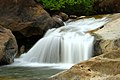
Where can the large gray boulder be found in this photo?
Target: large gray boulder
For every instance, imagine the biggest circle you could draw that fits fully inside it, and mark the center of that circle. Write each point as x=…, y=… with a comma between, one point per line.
x=8, y=46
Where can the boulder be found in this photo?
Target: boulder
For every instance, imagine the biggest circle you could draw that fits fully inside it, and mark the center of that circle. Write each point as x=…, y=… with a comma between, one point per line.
x=27, y=20
x=58, y=20
x=63, y=16
x=26, y=17
x=106, y=6
x=109, y=36
x=103, y=67
x=8, y=46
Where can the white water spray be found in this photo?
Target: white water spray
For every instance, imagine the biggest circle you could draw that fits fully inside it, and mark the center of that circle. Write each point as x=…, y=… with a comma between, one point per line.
x=67, y=44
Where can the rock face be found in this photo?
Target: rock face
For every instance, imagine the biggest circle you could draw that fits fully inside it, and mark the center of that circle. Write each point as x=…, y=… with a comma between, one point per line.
x=27, y=20
x=25, y=16
x=8, y=46
x=106, y=6
x=110, y=36
x=104, y=67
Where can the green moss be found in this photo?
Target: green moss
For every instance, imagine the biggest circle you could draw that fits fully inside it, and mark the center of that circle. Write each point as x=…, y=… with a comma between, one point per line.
x=71, y=6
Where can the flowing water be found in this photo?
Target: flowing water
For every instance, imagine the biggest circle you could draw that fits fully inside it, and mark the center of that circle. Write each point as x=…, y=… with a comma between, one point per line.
x=67, y=44
x=60, y=48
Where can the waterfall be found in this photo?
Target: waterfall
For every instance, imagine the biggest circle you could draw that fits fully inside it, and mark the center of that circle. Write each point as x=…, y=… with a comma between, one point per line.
x=62, y=47
x=67, y=44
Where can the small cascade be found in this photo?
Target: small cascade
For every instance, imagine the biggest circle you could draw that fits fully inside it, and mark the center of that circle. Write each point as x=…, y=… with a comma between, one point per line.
x=67, y=44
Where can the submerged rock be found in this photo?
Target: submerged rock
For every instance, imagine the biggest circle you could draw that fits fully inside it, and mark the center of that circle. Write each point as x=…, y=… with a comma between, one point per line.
x=8, y=46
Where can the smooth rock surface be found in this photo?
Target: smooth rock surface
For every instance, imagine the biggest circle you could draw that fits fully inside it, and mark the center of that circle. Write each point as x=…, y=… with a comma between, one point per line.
x=109, y=36
x=104, y=67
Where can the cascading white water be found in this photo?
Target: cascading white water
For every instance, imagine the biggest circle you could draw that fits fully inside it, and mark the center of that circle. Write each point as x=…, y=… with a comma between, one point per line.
x=67, y=44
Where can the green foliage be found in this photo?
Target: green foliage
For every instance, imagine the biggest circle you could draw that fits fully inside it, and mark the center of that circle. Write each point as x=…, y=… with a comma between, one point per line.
x=85, y=6
x=53, y=4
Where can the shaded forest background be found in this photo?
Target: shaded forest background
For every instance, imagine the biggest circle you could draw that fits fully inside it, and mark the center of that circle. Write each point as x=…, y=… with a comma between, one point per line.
x=81, y=7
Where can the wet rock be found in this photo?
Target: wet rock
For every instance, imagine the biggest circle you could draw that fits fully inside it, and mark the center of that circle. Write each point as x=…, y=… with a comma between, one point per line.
x=58, y=20
x=8, y=46
x=25, y=16
x=73, y=17
x=63, y=16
